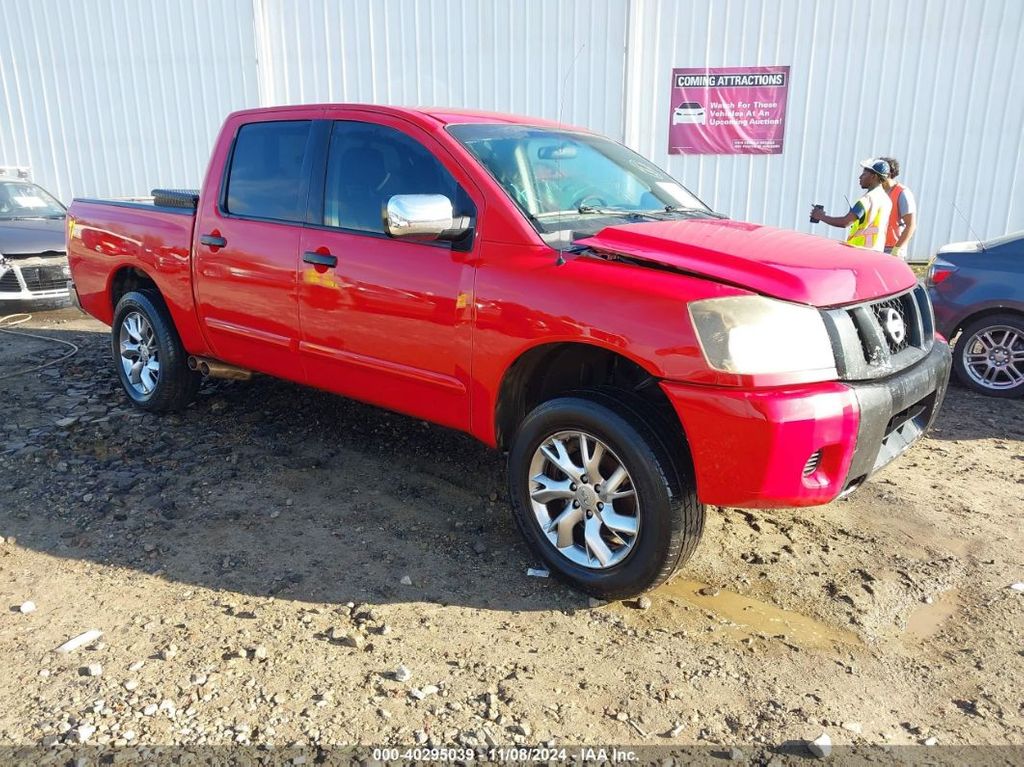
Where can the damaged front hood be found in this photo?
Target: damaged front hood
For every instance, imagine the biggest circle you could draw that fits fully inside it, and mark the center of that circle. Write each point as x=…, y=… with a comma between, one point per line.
x=31, y=236
x=774, y=262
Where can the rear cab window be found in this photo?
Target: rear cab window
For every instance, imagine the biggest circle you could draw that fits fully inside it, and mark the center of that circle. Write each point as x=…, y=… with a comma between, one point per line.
x=267, y=178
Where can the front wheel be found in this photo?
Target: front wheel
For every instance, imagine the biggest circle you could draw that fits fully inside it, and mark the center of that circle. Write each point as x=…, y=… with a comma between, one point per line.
x=989, y=355
x=150, y=360
x=598, y=498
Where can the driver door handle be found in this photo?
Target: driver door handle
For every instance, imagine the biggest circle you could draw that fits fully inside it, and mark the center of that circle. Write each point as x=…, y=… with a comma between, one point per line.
x=213, y=240
x=319, y=259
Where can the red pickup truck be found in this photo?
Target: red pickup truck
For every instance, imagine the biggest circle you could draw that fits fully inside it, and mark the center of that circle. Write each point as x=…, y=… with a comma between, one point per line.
x=544, y=289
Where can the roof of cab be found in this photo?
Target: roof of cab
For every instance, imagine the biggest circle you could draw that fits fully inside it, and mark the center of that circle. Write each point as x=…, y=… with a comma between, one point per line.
x=442, y=115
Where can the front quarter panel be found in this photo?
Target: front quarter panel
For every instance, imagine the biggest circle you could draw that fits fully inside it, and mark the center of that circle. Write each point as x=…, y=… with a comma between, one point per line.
x=524, y=299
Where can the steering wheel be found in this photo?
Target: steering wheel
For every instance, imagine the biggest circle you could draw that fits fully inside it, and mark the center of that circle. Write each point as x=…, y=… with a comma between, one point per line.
x=590, y=196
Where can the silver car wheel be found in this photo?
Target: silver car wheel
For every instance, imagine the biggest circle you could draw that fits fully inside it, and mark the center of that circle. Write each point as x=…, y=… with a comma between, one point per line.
x=994, y=357
x=139, y=353
x=584, y=500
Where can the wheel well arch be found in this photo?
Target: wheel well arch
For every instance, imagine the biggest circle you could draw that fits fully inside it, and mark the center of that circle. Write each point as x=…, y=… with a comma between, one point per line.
x=127, y=279
x=981, y=313
x=552, y=370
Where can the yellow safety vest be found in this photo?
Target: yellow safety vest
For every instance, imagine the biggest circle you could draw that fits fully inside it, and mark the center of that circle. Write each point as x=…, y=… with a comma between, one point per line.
x=869, y=230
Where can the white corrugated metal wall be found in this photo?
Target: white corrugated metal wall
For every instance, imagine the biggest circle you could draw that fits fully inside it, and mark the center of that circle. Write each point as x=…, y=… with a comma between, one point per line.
x=535, y=57
x=112, y=97
x=934, y=83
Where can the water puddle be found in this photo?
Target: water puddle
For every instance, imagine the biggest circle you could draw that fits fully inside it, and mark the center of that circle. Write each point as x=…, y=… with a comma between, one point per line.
x=926, y=620
x=753, y=617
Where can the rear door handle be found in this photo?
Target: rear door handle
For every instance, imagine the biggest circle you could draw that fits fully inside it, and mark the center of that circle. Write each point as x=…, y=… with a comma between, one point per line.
x=213, y=240
x=319, y=259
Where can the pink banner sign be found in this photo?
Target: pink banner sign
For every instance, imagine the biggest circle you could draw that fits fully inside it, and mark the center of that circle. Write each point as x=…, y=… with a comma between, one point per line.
x=731, y=110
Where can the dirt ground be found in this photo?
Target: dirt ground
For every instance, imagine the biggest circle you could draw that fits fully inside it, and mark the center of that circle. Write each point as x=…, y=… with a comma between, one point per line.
x=278, y=566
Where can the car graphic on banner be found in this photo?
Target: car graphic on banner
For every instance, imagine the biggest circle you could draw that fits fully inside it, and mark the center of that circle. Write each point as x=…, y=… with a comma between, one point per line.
x=690, y=112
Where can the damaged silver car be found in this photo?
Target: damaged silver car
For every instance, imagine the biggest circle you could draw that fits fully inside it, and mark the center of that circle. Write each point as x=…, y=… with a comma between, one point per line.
x=33, y=259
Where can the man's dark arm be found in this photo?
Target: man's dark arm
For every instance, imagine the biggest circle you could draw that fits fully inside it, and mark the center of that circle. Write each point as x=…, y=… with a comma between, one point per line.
x=840, y=222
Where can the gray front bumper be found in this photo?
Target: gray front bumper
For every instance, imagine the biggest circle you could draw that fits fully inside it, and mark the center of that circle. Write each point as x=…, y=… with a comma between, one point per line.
x=896, y=411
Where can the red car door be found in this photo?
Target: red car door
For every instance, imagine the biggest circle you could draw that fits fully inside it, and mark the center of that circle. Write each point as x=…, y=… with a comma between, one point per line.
x=385, y=320
x=247, y=246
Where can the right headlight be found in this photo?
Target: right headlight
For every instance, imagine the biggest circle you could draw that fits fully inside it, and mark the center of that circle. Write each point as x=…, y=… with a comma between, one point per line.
x=754, y=335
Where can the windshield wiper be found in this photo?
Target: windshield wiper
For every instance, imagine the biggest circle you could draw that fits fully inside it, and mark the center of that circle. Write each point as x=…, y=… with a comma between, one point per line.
x=693, y=209
x=660, y=214
x=590, y=209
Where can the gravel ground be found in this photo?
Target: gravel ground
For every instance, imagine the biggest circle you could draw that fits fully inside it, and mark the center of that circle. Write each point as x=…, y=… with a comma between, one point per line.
x=278, y=566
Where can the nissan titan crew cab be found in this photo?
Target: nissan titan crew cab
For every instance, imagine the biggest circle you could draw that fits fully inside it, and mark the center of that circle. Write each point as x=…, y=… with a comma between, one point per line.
x=544, y=289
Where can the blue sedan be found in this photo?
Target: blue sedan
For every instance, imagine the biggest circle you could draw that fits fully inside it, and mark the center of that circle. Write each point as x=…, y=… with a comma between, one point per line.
x=977, y=289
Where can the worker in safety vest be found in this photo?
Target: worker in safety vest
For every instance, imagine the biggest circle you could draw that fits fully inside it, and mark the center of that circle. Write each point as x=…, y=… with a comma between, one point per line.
x=903, y=219
x=869, y=216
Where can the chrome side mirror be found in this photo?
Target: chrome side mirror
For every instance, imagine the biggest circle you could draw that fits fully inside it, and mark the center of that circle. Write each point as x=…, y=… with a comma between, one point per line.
x=427, y=216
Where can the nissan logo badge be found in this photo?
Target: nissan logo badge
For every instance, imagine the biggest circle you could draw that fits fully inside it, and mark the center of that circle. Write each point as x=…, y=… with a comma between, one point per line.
x=894, y=326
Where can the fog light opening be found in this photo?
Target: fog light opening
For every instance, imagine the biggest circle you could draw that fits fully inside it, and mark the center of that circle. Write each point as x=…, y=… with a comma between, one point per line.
x=812, y=463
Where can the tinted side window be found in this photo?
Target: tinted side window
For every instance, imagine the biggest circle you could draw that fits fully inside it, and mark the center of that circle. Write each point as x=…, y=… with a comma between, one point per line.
x=266, y=178
x=368, y=164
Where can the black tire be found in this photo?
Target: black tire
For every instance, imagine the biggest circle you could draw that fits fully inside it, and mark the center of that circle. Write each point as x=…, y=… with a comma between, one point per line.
x=1006, y=328
x=175, y=385
x=671, y=519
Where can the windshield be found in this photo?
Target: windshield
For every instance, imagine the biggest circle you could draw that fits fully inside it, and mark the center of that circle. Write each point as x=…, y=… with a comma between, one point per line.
x=569, y=184
x=22, y=200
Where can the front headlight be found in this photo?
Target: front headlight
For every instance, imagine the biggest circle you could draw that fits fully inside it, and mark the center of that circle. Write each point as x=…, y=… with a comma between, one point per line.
x=753, y=335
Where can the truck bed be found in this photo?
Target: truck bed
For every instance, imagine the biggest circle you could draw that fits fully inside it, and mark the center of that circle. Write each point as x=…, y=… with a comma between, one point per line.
x=109, y=238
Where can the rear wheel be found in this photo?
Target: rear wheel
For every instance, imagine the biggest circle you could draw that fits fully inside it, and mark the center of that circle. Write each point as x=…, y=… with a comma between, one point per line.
x=150, y=360
x=989, y=355
x=598, y=498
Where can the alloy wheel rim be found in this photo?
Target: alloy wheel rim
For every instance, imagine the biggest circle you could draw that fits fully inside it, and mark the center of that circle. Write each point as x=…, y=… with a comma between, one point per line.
x=994, y=357
x=140, y=357
x=584, y=500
